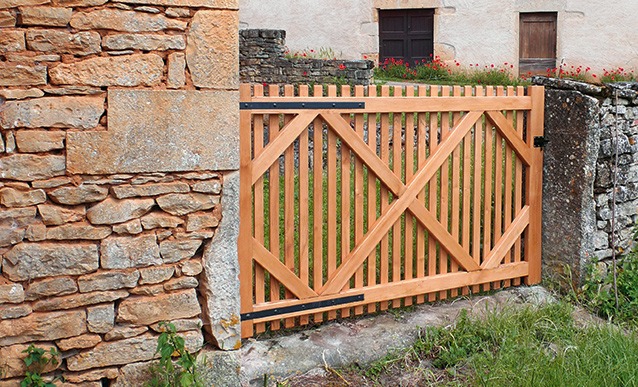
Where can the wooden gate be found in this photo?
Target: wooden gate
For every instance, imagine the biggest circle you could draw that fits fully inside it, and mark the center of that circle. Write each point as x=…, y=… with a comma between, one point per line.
x=368, y=199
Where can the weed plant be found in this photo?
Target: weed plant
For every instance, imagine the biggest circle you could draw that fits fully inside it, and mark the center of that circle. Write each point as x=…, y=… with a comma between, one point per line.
x=36, y=361
x=182, y=372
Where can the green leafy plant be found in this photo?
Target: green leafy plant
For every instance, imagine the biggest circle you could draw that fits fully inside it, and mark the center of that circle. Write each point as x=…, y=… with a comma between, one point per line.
x=182, y=372
x=36, y=361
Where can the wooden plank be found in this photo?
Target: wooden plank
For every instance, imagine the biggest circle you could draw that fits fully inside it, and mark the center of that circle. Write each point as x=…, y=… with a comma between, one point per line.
x=372, y=197
x=444, y=193
x=397, y=155
x=433, y=188
x=456, y=191
x=505, y=243
x=519, y=184
x=477, y=215
x=304, y=220
x=259, y=214
x=289, y=201
x=345, y=216
x=408, y=239
x=358, y=196
x=506, y=130
x=385, y=158
x=487, y=188
x=317, y=228
x=507, y=212
x=498, y=184
x=332, y=201
x=467, y=189
x=421, y=158
x=273, y=132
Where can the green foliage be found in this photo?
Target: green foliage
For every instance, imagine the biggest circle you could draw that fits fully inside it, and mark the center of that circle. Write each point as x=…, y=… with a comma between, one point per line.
x=181, y=373
x=36, y=361
x=325, y=53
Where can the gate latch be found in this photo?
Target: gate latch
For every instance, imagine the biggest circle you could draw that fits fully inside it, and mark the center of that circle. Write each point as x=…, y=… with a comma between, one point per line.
x=540, y=142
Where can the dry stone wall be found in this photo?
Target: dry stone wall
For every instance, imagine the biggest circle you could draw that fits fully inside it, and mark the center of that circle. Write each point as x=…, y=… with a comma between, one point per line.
x=118, y=158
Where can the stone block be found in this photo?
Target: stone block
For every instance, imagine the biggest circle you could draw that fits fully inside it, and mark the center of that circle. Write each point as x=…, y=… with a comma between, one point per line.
x=128, y=70
x=35, y=141
x=151, y=290
x=109, y=280
x=11, y=311
x=176, y=70
x=112, y=211
x=12, y=360
x=177, y=12
x=130, y=191
x=191, y=268
x=154, y=275
x=46, y=16
x=73, y=90
x=49, y=287
x=79, y=342
x=217, y=4
x=91, y=375
x=122, y=252
x=144, y=42
x=78, y=300
x=12, y=41
x=56, y=112
x=11, y=294
x=28, y=261
x=79, y=3
x=212, y=53
x=181, y=325
x=182, y=204
x=191, y=130
x=127, y=21
x=21, y=3
x=51, y=183
x=10, y=197
x=42, y=327
x=36, y=233
x=201, y=220
x=56, y=215
x=22, y=75
x=7, y=19
x=10, y=236
x=178, y=250
x=78, y=231
x=17, y=217
x=63, y=42
x=85, y=193
x=210, y=187
x=132, y=227
x=124, y=332
x=160, y=220
x=181, y=283
x=100, y=318
x=21, y=93
x=163, y=307
x=25, y=167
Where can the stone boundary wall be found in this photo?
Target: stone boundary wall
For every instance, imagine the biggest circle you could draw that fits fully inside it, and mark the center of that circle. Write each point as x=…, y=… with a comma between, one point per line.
x=581, y=122
x=262, y=60
x=118, y=184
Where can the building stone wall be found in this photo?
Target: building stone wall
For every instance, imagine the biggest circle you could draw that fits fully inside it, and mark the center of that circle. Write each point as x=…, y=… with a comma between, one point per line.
x=262, y=57
x=118, y=155
x=486, y=31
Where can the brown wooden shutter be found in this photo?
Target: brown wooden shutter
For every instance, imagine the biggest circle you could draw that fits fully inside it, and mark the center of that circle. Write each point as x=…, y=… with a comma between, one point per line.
x=537, y=50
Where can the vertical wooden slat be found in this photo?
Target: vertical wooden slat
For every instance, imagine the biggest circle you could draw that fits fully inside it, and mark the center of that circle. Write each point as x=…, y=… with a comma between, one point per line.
x=289, y=204
x=409, y=220
x=345, y=195
x=385, y=157
x=421, y=155
x=303, y=206
x=477, y=217
x=498, y=186
x=273, y=130
x=507, y=204
x=444, y=193
x=456, y=190
x=244, y=248
x=317, y=177
x=467, y=188
x=519, y=184
x=372, y=196
x=259, y=224
x=358, y=196
x=332, y=200
x=397, y=156
x=433, y=186
x=487, y=204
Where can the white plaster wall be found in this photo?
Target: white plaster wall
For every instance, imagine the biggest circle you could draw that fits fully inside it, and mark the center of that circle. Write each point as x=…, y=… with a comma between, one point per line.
x=590, y=32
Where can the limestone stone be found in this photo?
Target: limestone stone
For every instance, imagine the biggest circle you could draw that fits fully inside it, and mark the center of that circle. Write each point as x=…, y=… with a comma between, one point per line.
x=218, y=4
x=29, y=57
x=122, y=252
x=21, y=93
x=87, y=340
x=36, y=233
x=28, y=261
x=7, y=19
x=45, y=16
x=160, y=220
x=10, y=197
x=108, y=280
x=181, y=283
x=58, y=112
x=91, y=375
x=1, y=141
x=191, y=268
x=144, y=42
x=25, y=167
x=132, y=227
x=51, y=183
x=78, y=231
x=11, y=293
x=10, y=311
x=210, y=187
x=21, y=3
x=12, y=41
x=63, y=42
x=129, y=70
x=190, y=129
x=140, y=348
x=72, y=90
x=100, y=318
x=49, y=287
x=176, y=70
x=147, y=9
x=147, y=290
x=79, y=3
x=163, y=307
x=12, y=360
x=199, y=175
x=128, y=21
x=42, y=327
x=182, y=204
x=22, y=75
x=200, y=220
x=181, y=325
x=154, y=275
x=10, y=236
x=112, y=211
x=11, y=143
x=55, y=215
x=177, y=12
x=34, y=141
x=178, y=250
x=212, y=54
x=78, y=300
x=85, y=193
x=124, y=332
x=129, y=191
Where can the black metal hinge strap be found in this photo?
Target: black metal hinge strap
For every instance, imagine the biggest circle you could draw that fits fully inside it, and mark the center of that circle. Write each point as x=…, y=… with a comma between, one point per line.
x=300, y=105
x=540, y=142
x=301, y=307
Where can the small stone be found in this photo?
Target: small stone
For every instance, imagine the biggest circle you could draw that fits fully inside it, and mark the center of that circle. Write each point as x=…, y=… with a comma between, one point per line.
x=78, y=231
x=198, y=175
x=163, y=307
x=17, y=217
x=191, y=268
x=176, y=70
x=120, y=252
x=10, y=236
x=201, y=220
x=34, y=141
x=159, y=220
x=11, y=294
x=14, y=311
x=181, y=325
x=26, y=57
x=132, y=227
x=100, y=318
x=73, y=90
x=58, y=112
x=182, y=204
x=7, y=19
x=51, y=183
x=147, y=290
x=128, y=21
x=79, y=195
x=45, y=16
x=26, y=167
x=63, y=42
x=42, y=327
x=121, y=52
x=22, y=3
x=55, y=215
x=177, y=250
x=119, y=333
x=147, y=9
x=144, y=42
x=177, y=12
x=112, y=211
x=156, y=275
x=22, y=75
x=11, y=143
x=181, y=283
x=79, y=342
x=21, y=93
x=12, y=41
x=36, y=233
x=92, y=375
x=78, y=300
x=129, y=191
x=210, y=187
x=49, y=287
x=79, y=3
x=28, y=261
x=110, y=280
x=10, y=197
